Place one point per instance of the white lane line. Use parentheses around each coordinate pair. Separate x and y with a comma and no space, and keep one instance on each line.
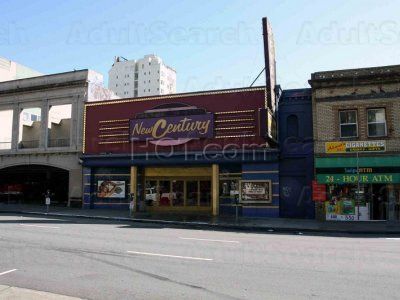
(393,239)
(9,271)
(168,255)
(209,240)
(39,226)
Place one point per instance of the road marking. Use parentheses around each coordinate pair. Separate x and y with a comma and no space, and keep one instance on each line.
(39,226)
(393,239)
(209,240)
(168,255)
(9,271)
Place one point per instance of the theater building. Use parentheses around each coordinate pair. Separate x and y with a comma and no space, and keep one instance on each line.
(206,153)
(357,143)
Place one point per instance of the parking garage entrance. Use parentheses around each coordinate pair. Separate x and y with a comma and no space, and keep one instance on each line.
(27,184)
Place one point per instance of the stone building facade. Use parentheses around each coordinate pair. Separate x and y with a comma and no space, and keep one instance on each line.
(42,153)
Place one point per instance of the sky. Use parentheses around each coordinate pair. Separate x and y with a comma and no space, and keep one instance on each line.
(211,44)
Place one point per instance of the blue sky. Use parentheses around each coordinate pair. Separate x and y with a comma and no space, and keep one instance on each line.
(211,44)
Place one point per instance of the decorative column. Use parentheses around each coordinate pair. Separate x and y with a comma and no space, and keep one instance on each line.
(133,189)
(15,128)
(76,124)
(215,189)
(44,124)
(88,191)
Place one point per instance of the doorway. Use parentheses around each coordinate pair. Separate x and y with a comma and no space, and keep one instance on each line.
(27,184)
(188,193)
(379,201)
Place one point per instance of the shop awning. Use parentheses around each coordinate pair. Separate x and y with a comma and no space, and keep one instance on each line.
(364,161)
(371,170)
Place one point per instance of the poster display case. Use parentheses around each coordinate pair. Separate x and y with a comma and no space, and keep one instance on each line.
(255,191)
(111,189)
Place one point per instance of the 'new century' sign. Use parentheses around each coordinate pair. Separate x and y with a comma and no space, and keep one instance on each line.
(174,127)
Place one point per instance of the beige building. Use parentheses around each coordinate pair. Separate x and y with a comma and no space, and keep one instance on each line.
(10,70)
(356,116)
(41,121)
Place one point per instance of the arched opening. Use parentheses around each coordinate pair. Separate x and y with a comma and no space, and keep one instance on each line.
(27,184)
(292,126)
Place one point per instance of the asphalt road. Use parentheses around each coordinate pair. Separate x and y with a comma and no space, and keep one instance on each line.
(108,260)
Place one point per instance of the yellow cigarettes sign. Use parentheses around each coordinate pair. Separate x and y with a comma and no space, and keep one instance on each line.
(355,146)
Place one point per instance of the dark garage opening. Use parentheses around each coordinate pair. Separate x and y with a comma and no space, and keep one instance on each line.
(28,184)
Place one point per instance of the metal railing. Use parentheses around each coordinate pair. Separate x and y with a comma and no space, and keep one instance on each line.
(28,144)
(58,143)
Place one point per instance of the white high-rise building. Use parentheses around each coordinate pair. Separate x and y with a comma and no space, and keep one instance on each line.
(148,76)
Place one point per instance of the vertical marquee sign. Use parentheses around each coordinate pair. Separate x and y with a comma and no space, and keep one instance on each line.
(270,78)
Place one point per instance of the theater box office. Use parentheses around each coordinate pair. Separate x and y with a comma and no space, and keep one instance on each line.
(202,153)
(363,185)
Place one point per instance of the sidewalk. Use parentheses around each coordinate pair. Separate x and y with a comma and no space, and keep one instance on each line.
(222,222)
(10,292)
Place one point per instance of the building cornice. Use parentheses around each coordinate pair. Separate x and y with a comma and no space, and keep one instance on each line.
(175,96)
(42,87)
(385,74)
(372,96)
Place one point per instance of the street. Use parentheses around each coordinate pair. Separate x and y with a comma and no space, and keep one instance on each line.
(94,259)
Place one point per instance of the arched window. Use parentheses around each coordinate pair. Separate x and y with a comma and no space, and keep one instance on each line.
(292,126)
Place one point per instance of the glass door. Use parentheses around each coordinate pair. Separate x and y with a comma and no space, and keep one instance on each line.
(178,193)
(191,192)
(205,193)
(164,187)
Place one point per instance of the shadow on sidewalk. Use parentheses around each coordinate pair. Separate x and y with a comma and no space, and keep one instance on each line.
(60,215)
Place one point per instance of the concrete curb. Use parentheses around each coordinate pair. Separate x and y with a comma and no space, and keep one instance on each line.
(240,227)
(12,292)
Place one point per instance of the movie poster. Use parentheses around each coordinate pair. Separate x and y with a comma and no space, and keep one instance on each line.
(110,189)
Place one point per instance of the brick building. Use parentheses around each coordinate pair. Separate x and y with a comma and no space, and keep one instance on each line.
(357,142)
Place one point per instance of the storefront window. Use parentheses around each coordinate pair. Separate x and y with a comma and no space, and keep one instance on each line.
(205,193)
(397,203)
(191,192)
(376,122)
(229,188)
(348,123)
(177,193)
(348,202)
(151,192)
(164,192)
